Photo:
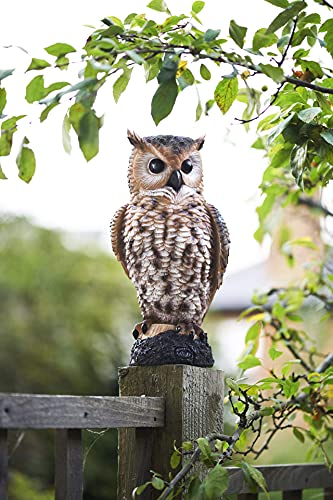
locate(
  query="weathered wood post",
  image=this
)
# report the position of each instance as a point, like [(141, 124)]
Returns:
[(193, 408)]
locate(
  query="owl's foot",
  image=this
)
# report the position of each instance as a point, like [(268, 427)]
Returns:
[(148, 329), (194, 331)]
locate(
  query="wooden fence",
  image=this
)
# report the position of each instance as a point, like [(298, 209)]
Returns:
[(156, 406)]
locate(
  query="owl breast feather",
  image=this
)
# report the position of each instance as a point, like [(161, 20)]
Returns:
[(168, 257)]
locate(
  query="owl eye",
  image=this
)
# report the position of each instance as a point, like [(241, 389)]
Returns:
[(156, 166), (186, 166)]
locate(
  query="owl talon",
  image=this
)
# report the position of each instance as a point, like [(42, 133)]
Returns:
[(144, 328)]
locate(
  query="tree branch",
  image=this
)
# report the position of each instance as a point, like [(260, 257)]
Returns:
[(284, 55), (311, 203), (291, 405), (274, 97), (324, 2)]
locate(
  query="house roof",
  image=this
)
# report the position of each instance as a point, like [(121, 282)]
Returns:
[(237, 289)]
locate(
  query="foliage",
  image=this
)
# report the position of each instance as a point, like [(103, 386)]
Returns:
[(62, 329), (284, 88)]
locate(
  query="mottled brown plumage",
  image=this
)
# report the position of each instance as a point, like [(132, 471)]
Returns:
[(172, 244)]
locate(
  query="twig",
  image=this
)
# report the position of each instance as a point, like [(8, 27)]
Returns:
[(274, 97), (187, 467), (324, 2), (311, 203), (295, 353), (284, 55), (328, 361)]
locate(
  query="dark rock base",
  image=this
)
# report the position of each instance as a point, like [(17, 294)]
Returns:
[(170, 348)]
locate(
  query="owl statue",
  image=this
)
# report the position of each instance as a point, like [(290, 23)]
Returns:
[(172, 244)]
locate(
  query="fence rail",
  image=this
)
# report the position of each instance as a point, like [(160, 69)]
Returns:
[(291, 479), (157, 406), (32, 411)]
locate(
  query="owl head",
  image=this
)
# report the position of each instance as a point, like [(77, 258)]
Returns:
[(165, 164)]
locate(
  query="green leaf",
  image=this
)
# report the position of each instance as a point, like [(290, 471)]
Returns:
[(8, 128), (274, 72), (206, 452), (232, 384), (159, 5), (2, 175), (140, 489), (274, 353), (26, 163), (237, 33), (307, 115), (157, 483), (59, 49), (198, 111), (276, 131), (290, 388), (249, 361), (204, 72), (298, 161), (5, 72), (208, 106), (3, 99), (135, 56), (45, 113), (255, 474), (253, 332), (185, 79), (211, 35), (279, 3), (163, 100), (89, 134), (291, 11), (151, 71), (175, 459), (306, 241), (38, 64), (327, 135), (36, 91), (266, 411), (278, 311), (261, 39), (193, 492), (84, 84), (197, 7), (299, 435), (66, 138), (215, 483), (225, 93), (169, 68), (121, 83), (187, 445)]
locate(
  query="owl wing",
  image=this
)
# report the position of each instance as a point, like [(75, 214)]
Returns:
[(117, 240), (219, 250)]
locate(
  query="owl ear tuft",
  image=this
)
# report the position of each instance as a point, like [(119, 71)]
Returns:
[(200, 142), (134, 139)]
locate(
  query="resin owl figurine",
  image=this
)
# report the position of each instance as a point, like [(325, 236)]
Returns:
[(172, 244)]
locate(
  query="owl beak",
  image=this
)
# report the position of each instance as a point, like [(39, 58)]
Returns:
[(175, 180)]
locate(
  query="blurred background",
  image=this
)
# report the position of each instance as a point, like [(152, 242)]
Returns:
[(66, 307)]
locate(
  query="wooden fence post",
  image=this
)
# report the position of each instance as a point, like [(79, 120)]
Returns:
[(3, 464), (68, 464), (193, 408)]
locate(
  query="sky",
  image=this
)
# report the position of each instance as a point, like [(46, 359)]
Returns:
[(70, 194)]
